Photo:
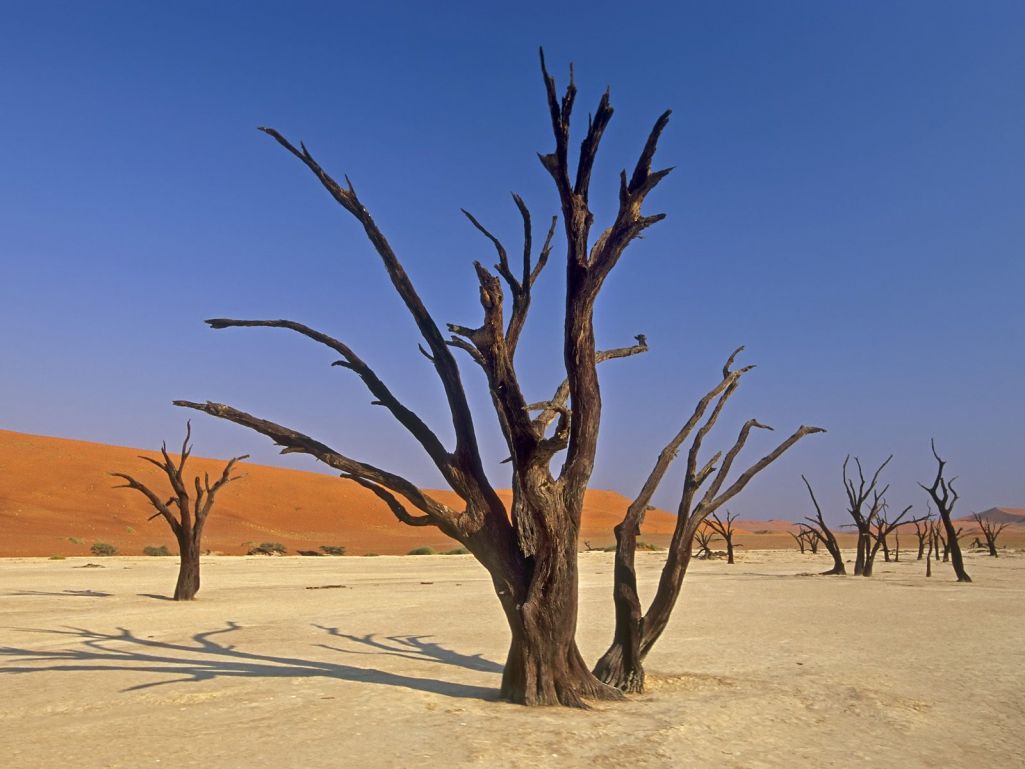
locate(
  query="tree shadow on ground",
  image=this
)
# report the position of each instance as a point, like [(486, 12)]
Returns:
[(204, 659), (411, 647), (65, 593)]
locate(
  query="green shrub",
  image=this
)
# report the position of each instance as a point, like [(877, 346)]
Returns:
[(333, 549), (456, 551), (153, 550), (268, 548), (425, 550), (102, 548)]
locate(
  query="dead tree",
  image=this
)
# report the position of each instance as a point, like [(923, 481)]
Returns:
[(184, 514), (945, 541), (822, 531), (944, 496), (724, 528), (923, 532), (799, 538), (529, 550), (810, 536), (931, 536), (704, 537), (862, 511), (883, 527), (990, 530), (636, 633)]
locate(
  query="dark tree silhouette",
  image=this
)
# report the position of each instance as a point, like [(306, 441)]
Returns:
[(800, 539), (704, 537), (883, 527), (724, 528), (863, 511), (184, 514), (990, 530), (530, 550), (822, 531), (636, 632), (944, 496), (923, 532)]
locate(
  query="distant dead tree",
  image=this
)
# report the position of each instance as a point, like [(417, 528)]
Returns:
[(724, 528), (636, 632), (704, 537), (923, 532), (931, 537), (945, 496), (822, 531), (800, 539), (184, 514), (990, 530), (882, 528), (811, 537), (862, 511), (529, 549)]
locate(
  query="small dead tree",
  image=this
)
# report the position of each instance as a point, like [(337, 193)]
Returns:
[(724, 528), (822, 531), (990, 530), (185, 514), (863, 511), (931, 537), (883, 527), (923, 532), (811, 537), (944, 496), (704, 537), (800, 539), (636, 632)]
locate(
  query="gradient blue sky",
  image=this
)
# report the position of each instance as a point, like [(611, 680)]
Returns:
[(849, 202)]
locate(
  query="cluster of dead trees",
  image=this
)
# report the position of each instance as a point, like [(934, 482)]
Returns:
[(878, 530)]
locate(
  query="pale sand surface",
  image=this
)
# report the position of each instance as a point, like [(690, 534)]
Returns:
[(761, 667)]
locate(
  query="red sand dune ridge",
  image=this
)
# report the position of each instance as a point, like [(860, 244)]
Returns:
[(56, 498)]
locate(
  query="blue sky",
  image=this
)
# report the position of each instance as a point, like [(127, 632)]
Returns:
[(849, 202)]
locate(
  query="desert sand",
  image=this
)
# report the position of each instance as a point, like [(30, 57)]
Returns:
[(395, 661)]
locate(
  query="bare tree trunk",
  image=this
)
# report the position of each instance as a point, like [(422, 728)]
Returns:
[(944, 496), (188, 570), (823, 532)]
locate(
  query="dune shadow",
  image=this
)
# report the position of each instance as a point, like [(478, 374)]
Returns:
[(65, 593), (203, 658)]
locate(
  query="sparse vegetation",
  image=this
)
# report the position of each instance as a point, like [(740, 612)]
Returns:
[(268, 548), (457, 551), (424, 550), (156, 550), (75, 540), (102, 548), (332, 549)]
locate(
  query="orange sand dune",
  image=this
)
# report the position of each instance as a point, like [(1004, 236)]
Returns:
[(56, 498)]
